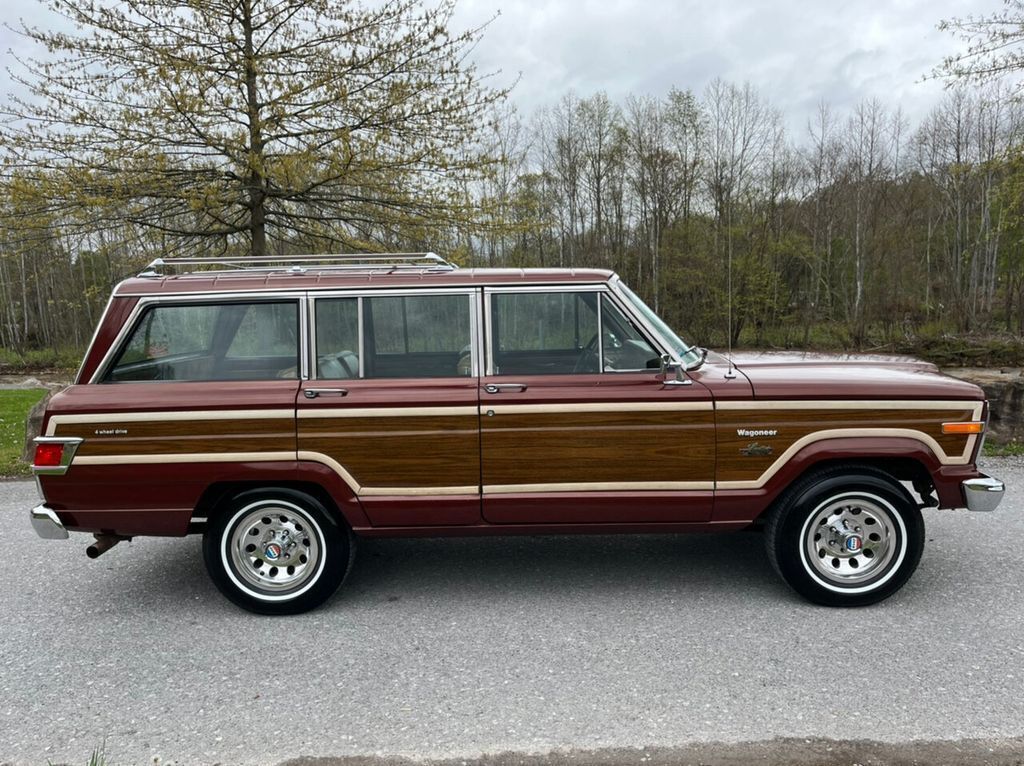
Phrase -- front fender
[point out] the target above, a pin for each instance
(735, 501)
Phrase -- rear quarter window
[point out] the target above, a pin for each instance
(211, 341)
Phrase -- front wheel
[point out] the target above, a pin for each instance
(276, 551)
(846, 536)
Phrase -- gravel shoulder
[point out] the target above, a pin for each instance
(777, 752)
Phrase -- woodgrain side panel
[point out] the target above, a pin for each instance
(403, 452)
(738, 460)
(598, 447)
(116, 436)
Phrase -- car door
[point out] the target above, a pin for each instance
(578, 423)
(392, 403)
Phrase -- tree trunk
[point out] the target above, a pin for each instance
(257, 179)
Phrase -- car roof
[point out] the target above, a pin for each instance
(332, 279)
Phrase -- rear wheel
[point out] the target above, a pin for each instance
(276, 551)
(846, 536)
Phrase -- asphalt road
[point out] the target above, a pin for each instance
(453, 648)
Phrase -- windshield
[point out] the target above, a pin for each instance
(687, 354)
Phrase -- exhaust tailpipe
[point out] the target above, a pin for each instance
(103, 544)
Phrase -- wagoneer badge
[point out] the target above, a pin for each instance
(757, 432)
(756, 450)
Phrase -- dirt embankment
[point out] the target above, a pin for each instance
(1005, 391)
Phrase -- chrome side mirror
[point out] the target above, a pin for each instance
(673, 372)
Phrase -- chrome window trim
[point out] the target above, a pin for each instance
(476, 284)
(95, 333)
(657, 342)
(301, 314)
(474, 331)
(471, 293)
(362, 292)
(480, 316)
(627, 308)
(560, 287)
(644, 331)
(361, 340)
(480, 344)
(308, 349)
(116, 343)
(488, 332)
(174, 300)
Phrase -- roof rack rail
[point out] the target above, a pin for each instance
(300, 264)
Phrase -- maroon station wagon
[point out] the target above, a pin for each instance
(285, 407)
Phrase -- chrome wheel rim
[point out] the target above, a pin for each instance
(275, 547)
(852, 539)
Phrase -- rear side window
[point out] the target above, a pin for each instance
(394, 336)
(211, 341)
(417, 336)
(337, 338)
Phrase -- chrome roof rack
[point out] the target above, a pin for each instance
(301, 264)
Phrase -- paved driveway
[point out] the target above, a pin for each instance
(456, 647)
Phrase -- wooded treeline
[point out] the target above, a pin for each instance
(860, 231)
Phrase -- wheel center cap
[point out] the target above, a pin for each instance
(272, 552)
(853, 543)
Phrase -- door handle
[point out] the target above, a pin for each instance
(497, 388)
(313, 393)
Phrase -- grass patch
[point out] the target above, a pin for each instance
(99, 756)
(1010, 449)
(14, 408)
(39, 360)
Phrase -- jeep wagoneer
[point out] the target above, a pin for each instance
(284, 407)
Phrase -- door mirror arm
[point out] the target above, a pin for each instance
(673, 372)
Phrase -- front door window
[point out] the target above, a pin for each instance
(565, 333)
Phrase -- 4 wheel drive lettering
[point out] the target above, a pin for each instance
(481, 401)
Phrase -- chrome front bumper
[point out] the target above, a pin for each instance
(983, 493)
(47, 524)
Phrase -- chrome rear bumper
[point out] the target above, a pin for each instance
(47, 524)
(983, 493)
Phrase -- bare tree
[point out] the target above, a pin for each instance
(741, 128)
(249, 122)
(995, 46)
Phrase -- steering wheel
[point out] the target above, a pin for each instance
(587, 361)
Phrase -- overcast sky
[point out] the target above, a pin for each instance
(795, 52)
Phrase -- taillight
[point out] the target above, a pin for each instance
(54, 454)
(48, 455)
